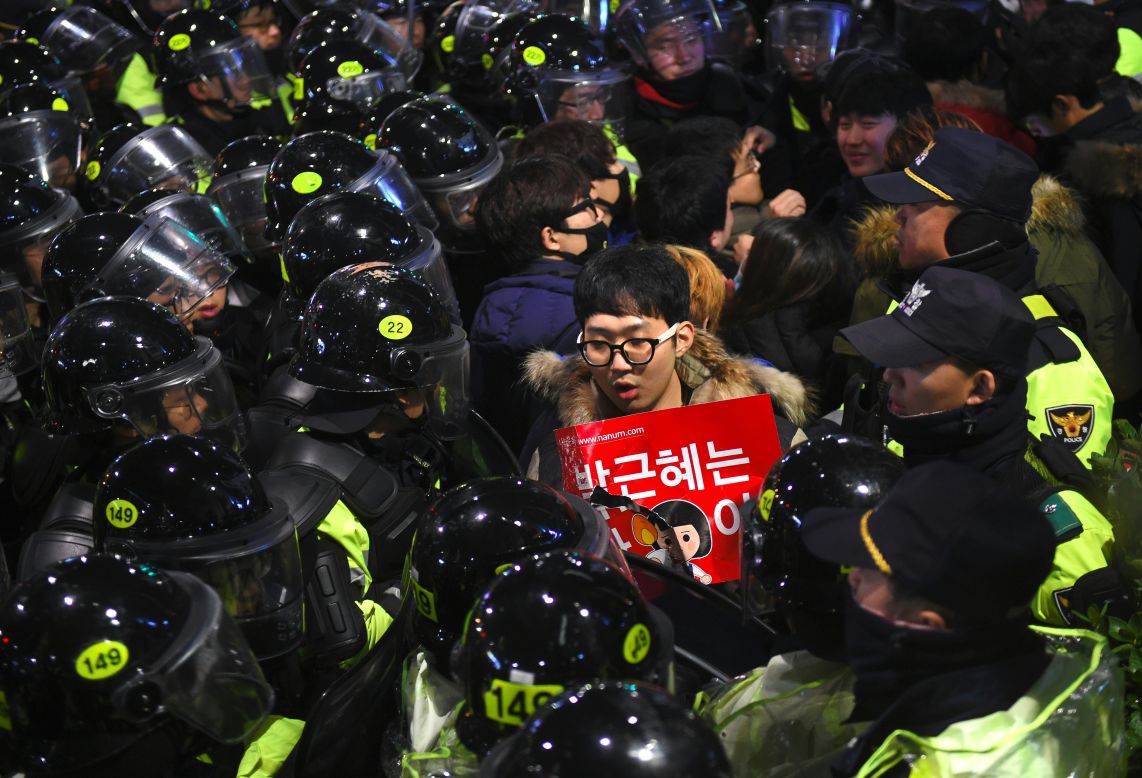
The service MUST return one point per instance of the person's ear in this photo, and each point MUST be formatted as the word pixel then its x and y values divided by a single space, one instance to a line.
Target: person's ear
pixel 930 619
pixel 683 338
pixel 549 240
pixel 1062 106
pixel 983 386
pixel 199 90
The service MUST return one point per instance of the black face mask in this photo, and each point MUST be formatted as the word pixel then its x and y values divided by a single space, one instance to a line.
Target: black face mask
pixel 596 236
pixel 620 208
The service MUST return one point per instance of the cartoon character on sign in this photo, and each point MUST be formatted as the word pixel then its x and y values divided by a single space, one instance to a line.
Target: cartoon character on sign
pixel 688 535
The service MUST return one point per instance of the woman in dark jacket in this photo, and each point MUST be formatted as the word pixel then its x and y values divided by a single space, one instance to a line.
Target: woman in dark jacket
pixel 795 293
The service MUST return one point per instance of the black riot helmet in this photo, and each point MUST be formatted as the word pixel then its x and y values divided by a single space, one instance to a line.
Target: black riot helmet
pixel 97 654
pixel 31 214
pixel 185 503
pixel 509 667
pixel 22 62
pixel 836 471
pixel 340 24
pixel 450 156
pixel 130 158
pixel 18 353
pixel 155 259
pixel 81 36
pixel 41 133
pixel 143 15
pixel 198 213
pixel 475 530
pixel 319 163
pixel 344 78
pixel 633 730
pixel 634 20
pixel 558 69
pixel 375 116
pixel 381 333
pixel 347 228
pixel 460 41
pixel 238 186
pixel 196 45
pixel 125 362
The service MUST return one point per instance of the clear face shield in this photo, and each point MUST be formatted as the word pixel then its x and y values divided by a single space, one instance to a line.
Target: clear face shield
pixel 365 89
pixel 84 39
pixel 240 197
pixel 801 37
pixel 17 350
pixel 193 397
pixel 203 217
pixel 600 98
pixel 736 36
pixel 437 379
pixel 22 249
pixel 47 143
pixel 430 264
pixel 165 263
pixel 596 14
pixel 479 19
pixel 72 91
pixel 455 197
pixel 164 157
pixel 388 179
pixel 242 70
pixel 382 38
pixel 209 678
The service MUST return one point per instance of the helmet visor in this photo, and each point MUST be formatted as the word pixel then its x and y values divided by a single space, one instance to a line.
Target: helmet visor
pixel 209 678
pixel 801 37
pixel 164 157
pixel 734 39
pixel 366 89
pixel 72 91
pixel 430 263
pixel 653 29
pixel 478 19
pixel 193 397
pixel 17 350
pixel 239 65
pixel 46 143
pixel 458 203
pixel 390 44
pixel 599 98
pixel 22 248
pixel 84 39
pixel 388 179
pixel 240 197
pixel 203 217
pixel 598 540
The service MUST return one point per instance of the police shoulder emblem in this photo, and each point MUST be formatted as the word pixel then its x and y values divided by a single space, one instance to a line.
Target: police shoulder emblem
pixel 1071 424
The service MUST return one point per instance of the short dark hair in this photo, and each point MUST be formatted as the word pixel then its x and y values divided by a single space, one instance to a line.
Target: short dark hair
pixel 875 93
pixel 683 200
pixel 525 197
pixel 583 143
pixel 633 280
pixel 945 44
pixel 705 136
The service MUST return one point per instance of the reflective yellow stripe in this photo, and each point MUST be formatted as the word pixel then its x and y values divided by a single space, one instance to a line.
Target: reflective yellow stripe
pixel 881 563
pixel 800 123
pixel 1039 307
pixel 938 192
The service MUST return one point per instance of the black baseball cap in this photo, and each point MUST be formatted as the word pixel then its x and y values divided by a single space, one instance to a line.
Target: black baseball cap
pixel 948 534
pixel 950 312
pixel 966 168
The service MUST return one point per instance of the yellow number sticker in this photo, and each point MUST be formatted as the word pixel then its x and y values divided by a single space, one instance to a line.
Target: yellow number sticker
pixel 636 645
pixel 425 600
pixel 121 513
pixel 615 6
pixel 93 170
pixel 350 69
pixel 299 89
pixel 487 61
pixel 59 104
pixel 101 660
pixel 533 55
pixel 448 44
pixel 371 141
pixel 395 327
pixel 305 182
pixel 511 703
pixel 765 504
pixel 179 42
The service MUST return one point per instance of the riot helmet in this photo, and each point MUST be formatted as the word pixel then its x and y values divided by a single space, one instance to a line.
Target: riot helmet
pixel 633 730
pixel 205 46
pixel 395 13
pixel 155 259
pixel 837 471
pixel 125 363
pixel 345 78
pixel 802 37
pixel 129 159
pixel 17 346
pixel 348 228
pixel 83 38
pixel 596 14
pixel 22 62
pixel 558 69
pixel 184 503
pixel 336 25
pixel 653 31
pixel 319 163
pixel 735 34
pixel 197 213
pixel 97 653
pixel 238 186
pixel 382 333
pixel 477 23
pixel 32 215
pixel 475 530
pixel 145 15
pixel 375 116
pixel 509 667
pixel 449 155
pixel 41 134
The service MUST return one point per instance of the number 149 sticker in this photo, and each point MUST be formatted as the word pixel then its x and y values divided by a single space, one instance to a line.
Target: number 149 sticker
pixel 101 660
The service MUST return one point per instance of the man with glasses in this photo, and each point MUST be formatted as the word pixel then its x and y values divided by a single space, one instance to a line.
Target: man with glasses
pixel 639 352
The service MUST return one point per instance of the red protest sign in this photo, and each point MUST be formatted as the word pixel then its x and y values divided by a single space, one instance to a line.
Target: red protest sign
pixel 694 466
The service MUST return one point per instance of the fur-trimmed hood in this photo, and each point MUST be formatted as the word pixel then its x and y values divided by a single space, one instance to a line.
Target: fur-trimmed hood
pixel 967 94
pixel 1106 169
pixel 1055 211
pixel 708 369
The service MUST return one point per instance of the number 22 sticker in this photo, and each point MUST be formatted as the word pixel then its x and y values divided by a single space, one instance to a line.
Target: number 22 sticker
pixel 395 327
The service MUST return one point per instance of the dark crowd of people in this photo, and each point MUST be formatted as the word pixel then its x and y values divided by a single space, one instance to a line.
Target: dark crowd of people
pixel 294 295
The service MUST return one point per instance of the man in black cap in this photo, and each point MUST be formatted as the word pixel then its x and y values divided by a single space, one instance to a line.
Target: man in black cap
pixel 936 630
pixel 953 354
pixel 964 202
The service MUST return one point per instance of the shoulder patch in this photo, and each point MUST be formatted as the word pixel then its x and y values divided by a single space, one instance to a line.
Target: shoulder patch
pixel 1063 603
pixel 1071 424
pixel 1063 520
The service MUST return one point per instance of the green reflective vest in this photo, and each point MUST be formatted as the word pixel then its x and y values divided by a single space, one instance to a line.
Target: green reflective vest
pixel 137 90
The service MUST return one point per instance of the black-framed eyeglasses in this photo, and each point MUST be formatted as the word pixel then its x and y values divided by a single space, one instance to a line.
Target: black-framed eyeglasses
pixel 636 351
